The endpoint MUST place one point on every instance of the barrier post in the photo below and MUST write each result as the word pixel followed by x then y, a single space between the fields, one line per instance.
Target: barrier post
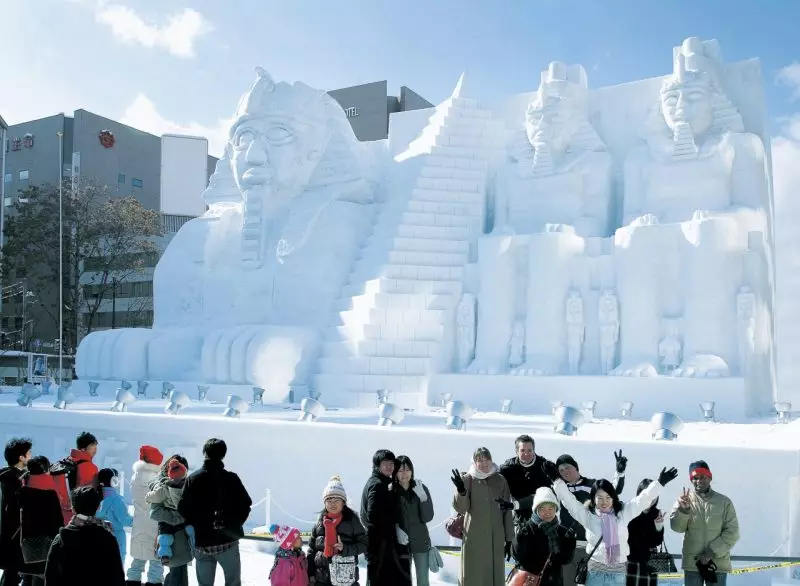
pixel 267 508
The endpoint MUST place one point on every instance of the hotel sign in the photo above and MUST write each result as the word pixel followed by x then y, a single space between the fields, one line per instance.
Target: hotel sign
pixel 351 112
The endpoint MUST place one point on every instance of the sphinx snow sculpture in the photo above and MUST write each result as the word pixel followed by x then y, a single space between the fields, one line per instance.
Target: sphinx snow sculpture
pixel 697 198
pixel 560 170
pixel 576 330
pixel 241 292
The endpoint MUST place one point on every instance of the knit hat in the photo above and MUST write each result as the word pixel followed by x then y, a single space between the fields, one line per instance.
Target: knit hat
pixel 699 468
pixel 544 495
pixel 567 459
pixel 151 455
pixel 334 489
pixel 175 469
pixel 284 535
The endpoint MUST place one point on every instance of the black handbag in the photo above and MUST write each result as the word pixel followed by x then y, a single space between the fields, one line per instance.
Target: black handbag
pixel 582 569
pixel 661 562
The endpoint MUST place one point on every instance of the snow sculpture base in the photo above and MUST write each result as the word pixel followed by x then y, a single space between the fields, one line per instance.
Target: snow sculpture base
pixel 536 394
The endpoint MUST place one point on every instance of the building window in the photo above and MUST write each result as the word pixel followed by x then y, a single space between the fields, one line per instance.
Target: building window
pixel 24 174
pixel 8 201
pixel 136 182
pixel 9 177
pixel 121 179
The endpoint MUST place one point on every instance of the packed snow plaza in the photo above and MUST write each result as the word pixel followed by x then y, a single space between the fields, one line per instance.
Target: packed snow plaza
pixel 571 245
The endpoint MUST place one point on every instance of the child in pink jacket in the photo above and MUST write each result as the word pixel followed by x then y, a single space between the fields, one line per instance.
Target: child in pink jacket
pixel 290 567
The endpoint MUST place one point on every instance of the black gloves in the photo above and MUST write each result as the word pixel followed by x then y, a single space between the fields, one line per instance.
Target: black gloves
pixel 458 482
pixel 622 462
pixel 504 505
pixel 667 476
pixel 508 551
pixel 551 471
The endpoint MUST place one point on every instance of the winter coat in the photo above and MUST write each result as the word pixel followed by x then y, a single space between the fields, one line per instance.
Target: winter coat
pixel 10 549
pixel 523 482
pixel 582 491
pixel 167 493
pixel 114 510
pixel 592 522
pixel 215 494
pixel 354 539
pixel 531 549
pixel 290 569
pixel 711 522
pixel 85 474
pixel 145 530
pixel 643 536
pixel 40 518
pixel 415 514
pixel 181 548
pixel 486 529
pixel 388 562
pixel 85 555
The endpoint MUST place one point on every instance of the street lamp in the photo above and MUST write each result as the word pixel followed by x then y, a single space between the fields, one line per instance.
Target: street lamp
pixel 60 257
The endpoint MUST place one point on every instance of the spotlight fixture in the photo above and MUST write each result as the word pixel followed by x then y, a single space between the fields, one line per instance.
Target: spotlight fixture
pixel 446 398
pixel 123 399
pixel 64 397
pixel 784 410
pixel 390 414
pixel 626 410
pixel 555 405
pixel 166 389
pixel 382 396
pixel 202 391
pixel 93 388
pixel 177 401
pixel 141 388
pixel 235 406
pixel 458 413
pixel 568 420
pixel 258 396
pixel 46 386
pixel 505 405
pixel 311 409
pixel 707 408
pixel 27 394
pixel 666 426
pixel 588 408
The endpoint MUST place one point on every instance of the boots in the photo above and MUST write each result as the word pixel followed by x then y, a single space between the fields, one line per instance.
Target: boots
pixel 132 583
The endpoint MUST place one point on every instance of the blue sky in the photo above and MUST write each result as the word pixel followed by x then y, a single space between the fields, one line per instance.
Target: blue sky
pixel 172 65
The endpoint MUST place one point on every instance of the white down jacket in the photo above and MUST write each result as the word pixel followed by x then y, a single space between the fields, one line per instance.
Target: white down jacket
pixel 145 530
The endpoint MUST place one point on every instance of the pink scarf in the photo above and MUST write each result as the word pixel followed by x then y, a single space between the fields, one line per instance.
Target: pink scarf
pixel 608 523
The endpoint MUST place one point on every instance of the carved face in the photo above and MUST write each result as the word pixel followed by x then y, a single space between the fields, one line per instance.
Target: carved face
pixel 276 153
pixel 690 102
pixel 552 122
pixel 745 304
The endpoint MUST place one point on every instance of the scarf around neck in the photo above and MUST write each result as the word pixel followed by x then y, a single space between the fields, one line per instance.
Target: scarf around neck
pixel 608 524
pixel 550 529
pixel 475 473
pixel 330 523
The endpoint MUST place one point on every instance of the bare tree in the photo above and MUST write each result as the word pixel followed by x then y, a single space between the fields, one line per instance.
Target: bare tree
pixel 106 240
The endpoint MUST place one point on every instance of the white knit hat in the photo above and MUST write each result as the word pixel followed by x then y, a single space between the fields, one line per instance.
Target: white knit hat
pixel 544 495
pixel 334 489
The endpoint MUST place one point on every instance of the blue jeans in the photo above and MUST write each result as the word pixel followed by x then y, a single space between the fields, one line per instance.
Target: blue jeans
pixel 422 568
pixel 605 579
pixel 228 560
pixel 694 579
pixel 155 571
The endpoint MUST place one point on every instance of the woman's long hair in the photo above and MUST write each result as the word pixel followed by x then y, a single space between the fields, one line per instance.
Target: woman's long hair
pixel 607 488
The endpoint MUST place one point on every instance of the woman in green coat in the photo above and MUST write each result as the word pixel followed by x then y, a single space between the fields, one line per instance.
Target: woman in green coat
pixel 488 530
pixel 416 511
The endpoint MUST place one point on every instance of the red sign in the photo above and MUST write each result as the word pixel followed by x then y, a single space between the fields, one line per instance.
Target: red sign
pixel 27 141
pixel 107 138
pixel 16 144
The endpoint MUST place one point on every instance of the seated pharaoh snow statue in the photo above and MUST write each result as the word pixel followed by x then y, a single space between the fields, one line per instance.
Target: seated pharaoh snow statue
pixel 241 293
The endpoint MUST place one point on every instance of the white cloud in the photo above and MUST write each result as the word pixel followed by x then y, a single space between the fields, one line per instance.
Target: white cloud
pixel 790 76
pixel 178 35
pixel 142 114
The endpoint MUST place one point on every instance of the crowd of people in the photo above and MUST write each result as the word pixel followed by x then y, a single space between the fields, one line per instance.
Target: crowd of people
pixel 530 511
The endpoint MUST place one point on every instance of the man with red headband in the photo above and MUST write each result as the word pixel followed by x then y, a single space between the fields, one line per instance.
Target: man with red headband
pixel 710 527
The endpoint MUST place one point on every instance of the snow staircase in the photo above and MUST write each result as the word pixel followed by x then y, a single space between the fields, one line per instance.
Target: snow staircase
pixel 396 320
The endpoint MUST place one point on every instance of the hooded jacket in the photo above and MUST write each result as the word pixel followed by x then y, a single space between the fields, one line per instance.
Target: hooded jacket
pixel 87 555
pixel 40 516
pixel 144 530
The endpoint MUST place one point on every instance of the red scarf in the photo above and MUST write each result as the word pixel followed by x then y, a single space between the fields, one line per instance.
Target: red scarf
pixel 330 522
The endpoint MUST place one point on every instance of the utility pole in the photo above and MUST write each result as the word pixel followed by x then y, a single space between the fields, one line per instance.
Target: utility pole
pixel 113 303
pixel 60 258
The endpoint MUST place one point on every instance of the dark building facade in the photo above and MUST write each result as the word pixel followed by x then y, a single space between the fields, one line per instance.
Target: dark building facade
pixel 369 106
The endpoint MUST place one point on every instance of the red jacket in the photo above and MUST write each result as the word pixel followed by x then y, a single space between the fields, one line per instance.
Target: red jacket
pixel 289 569
pixel 86 473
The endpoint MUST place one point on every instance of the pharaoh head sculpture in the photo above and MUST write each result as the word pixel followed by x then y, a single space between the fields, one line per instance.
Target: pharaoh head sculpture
pixel 280 135
pixel 693 98
pixel 554 116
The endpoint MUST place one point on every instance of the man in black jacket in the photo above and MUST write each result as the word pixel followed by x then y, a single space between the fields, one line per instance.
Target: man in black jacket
pixel 17 454
pixel 217 505
pixel 524 474
pixel 85 552
pixel 388 562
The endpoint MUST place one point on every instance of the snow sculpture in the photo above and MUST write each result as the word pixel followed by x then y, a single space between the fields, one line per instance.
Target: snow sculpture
pixel 560 171
pixel 608 320
pixel 576 330
pixel 241 292
pixel 670 347
pixel 466 330
pixel 516 350
pixel 745 326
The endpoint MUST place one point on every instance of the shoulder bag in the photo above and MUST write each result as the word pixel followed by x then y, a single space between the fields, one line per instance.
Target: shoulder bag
pixel 582 570
pixel 343 570
pixel 519 577
pixel 661 561
pixel 455 524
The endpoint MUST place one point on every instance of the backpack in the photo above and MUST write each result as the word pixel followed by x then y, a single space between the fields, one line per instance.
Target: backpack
pixel 67 468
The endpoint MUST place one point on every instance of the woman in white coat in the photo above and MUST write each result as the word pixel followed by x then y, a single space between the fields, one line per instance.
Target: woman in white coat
pixel 145 530
pixel 606 519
